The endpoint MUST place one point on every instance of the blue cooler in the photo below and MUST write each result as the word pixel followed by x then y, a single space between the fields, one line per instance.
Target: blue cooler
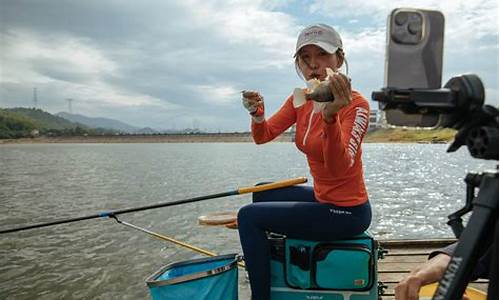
pixel 204 279
pixel 327 270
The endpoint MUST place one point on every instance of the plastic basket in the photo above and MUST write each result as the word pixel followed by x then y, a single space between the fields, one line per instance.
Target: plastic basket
pixel 206 278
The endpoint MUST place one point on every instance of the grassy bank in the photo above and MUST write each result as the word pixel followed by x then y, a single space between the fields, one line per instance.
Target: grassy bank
pixel 400 135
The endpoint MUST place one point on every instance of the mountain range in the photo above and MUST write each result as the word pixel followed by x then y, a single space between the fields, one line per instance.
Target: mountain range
pixel 21 121
pixel 101 123
pixel 116 125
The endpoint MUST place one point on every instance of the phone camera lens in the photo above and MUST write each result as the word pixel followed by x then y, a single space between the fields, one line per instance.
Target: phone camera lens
pixel 414 27
pixel 415 17
pixel 399 34
pixel 401 18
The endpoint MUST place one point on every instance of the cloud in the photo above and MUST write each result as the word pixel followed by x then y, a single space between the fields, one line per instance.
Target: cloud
pixel 466 20
pixel 72 58
pixel 217 95
pixel 76 66
pixel 250 25
pixel 145 62
pixel 471 36
pixel 174 55
pixel 370 40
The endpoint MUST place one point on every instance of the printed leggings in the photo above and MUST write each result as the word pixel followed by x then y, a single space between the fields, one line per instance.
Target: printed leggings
pixel 294 212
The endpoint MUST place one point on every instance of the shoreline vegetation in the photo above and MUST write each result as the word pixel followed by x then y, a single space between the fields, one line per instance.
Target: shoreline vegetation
pixel 389 135
pixel 23 125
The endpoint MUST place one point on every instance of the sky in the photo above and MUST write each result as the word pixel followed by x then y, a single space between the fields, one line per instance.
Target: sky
pixel 182 64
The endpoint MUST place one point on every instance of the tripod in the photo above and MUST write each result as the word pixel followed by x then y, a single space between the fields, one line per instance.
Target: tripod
pixel 474 239
pixel 460 104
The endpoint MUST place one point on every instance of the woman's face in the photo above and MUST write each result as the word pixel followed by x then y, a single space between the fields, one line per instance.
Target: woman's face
pixel 313 61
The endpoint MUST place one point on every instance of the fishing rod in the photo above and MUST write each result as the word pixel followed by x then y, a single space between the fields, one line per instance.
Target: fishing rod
pixel 169 239
pixel 106 214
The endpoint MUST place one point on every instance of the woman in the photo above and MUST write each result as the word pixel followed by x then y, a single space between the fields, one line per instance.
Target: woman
pixel 330 135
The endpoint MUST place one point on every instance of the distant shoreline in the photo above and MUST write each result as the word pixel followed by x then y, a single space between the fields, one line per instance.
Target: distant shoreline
pixel 378 136
pixel 165 138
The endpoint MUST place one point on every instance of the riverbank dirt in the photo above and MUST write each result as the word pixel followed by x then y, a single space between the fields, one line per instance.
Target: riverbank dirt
pixel 376 136
pixel 165 138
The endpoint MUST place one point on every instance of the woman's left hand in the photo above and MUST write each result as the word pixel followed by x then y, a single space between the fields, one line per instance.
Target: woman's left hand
pixel 340 86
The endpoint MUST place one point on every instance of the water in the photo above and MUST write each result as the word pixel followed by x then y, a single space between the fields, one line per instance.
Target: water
pixel 412 187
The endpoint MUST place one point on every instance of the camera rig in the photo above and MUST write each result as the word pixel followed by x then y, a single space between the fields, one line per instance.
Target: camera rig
pixel 460 105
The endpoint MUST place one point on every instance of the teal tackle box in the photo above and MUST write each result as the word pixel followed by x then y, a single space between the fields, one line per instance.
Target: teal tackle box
pixel 326 270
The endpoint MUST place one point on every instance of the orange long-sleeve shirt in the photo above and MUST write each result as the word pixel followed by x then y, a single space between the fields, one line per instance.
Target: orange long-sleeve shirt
pixel 333 150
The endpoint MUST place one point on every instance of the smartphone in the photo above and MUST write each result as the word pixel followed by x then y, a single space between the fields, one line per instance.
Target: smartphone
pixel 414 58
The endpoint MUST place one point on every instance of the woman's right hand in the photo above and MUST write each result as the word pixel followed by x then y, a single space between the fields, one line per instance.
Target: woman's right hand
pixel 253 102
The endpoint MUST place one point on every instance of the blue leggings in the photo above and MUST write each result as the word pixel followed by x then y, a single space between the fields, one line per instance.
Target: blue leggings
pixel 294 212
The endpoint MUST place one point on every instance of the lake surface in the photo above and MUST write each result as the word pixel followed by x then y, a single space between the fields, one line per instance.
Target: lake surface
pixel 412 188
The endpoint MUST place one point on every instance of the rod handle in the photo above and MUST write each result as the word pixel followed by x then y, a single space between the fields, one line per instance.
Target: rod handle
pixel 272 186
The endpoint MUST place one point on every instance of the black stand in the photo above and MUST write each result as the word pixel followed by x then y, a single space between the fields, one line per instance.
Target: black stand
pixel 473 241
pixel 460 104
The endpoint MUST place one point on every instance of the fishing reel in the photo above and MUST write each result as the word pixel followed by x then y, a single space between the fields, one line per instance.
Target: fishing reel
pixel 459 104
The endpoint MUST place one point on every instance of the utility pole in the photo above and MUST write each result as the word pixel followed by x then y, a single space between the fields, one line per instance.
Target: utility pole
pixel 35 98
pixel 196 125
pixel 70 107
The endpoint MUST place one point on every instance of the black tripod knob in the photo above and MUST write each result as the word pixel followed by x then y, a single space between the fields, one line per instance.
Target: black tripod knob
pixel 482 142
pixel 473 180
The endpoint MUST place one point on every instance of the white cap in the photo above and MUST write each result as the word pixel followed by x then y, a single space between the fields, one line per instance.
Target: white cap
pixel 320 35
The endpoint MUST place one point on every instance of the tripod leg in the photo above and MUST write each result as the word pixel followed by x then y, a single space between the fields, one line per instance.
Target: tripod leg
pixel 493 285
pixel 471 244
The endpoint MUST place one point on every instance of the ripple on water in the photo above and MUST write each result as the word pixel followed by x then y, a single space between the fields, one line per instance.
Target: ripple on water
pixel 412 189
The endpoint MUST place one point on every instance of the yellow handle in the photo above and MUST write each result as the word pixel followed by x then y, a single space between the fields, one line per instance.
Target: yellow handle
pixel 191 247
pixel 177 242
pixel 272 186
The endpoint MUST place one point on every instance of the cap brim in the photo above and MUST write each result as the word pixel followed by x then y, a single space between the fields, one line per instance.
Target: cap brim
pixel 325 46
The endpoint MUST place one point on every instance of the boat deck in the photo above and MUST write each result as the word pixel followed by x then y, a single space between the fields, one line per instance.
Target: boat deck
pixel 404 255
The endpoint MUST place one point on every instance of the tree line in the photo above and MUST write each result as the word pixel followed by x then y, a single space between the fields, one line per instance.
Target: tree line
pixel 31 122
